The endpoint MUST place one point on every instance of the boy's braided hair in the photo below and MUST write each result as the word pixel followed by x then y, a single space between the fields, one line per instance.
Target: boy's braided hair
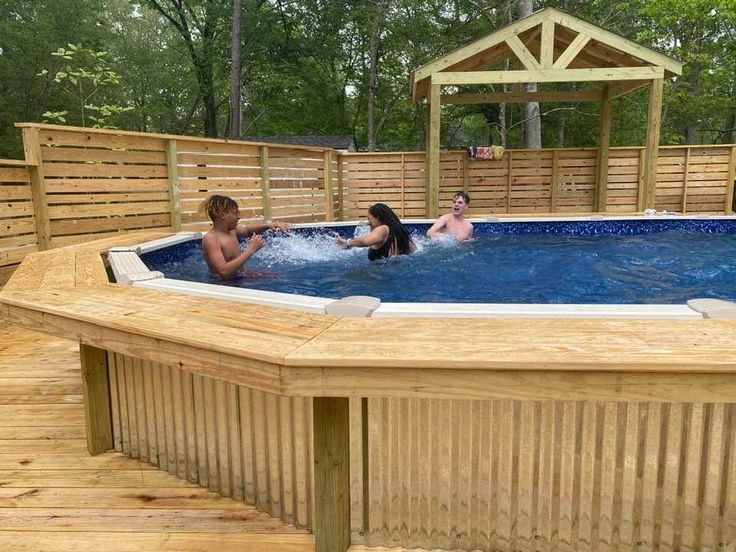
pixel 216 205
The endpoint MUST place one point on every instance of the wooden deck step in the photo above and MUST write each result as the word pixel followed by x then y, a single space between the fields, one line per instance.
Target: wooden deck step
pixel 87 541
pixel 54 496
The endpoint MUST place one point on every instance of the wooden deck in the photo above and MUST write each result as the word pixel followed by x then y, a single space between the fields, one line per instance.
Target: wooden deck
pixel 55 496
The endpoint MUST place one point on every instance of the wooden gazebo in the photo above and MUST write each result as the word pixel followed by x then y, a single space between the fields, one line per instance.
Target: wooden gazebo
pixel 552 47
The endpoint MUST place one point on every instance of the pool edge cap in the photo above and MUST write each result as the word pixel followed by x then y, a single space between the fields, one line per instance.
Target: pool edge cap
pixel 353 306
pixel 713 308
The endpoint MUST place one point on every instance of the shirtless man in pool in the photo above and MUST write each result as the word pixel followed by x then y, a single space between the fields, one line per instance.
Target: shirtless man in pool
pixel 454 223
pixel 220 245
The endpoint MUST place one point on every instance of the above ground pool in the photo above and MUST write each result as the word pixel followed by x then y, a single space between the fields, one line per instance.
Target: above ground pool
pixel 621 261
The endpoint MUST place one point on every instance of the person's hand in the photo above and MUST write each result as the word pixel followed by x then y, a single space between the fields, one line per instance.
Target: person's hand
pixel 280 226
pixel 342 242
pixel 255 243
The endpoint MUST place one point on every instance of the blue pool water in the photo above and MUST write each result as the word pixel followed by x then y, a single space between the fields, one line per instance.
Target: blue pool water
pixel 658 261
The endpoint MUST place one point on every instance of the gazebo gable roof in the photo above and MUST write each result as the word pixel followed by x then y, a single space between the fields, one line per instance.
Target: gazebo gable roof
pixel 548 40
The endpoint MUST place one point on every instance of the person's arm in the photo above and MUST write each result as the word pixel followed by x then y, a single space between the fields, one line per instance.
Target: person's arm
pixel 377 236
pixel 245 230
pixel 216 260
pixel 437 227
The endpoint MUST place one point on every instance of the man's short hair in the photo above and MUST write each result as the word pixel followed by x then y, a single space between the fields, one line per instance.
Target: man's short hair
pixel 466 197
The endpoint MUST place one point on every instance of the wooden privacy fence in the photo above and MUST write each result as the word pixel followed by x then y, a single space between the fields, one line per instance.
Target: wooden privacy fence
pixel 17 218
pixel 695 179
pixel 79 184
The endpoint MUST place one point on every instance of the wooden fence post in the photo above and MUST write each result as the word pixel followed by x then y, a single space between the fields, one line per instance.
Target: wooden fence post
pixel 331 473
pixel 327 173
pixel 172 170
pixel 96 390
pixel 265 183
pixel 555 191
pixel 601 189
pixel 340 189
pixel 403 185
pixel 654 121
pixel 641 190
pixel 730 181
pixel 685 179
pixel 32 150
pixel 433 151
pixel 508 183
pixel 466 184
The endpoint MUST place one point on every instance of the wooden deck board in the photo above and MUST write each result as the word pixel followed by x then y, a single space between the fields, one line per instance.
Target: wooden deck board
pixel 54 496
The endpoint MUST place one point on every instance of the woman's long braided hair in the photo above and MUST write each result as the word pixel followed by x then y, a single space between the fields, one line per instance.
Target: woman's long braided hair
pixel 401 243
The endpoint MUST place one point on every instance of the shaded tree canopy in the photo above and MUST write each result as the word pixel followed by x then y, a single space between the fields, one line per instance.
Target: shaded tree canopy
pixel 342 67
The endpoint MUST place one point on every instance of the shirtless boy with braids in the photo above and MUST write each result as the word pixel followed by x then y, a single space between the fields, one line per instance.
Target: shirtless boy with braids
pixel 220 245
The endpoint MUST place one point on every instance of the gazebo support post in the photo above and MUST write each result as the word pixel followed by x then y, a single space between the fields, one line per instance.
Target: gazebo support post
pixel 433 151
pixel 654 121
pixel 601 194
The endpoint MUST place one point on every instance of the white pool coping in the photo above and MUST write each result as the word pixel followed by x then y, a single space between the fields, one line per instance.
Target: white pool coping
pixel 156 281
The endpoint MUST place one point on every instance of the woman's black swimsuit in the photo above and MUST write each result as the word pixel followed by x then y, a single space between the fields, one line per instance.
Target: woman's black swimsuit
pixel 383 252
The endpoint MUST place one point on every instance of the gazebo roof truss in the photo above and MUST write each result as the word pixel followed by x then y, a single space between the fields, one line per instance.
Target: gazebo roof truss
pixel 548 46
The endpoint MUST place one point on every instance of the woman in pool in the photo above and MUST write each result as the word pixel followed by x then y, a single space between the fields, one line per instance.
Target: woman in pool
pixel 388 236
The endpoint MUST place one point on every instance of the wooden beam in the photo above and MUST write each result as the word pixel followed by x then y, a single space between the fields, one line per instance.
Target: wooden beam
pixel 403 185
pixel 571 52
pixel 617 42
pixel 641 190
pixel 327 173
pixel 522 53
pixel 96 391
pixel 433 151
pixel 624 88
pixel 547 75
pixel 728 208
pixel 32 150
pixel 172 172
pixel 475 48
pixel 555 185
pixel 654 121
pixel 466 183
pixel 265 183
pixel 685 179
pixel 509 182
pixel 331 474
pixel 340 189
pixel 603 151
pixel 547 46
pixel 590 95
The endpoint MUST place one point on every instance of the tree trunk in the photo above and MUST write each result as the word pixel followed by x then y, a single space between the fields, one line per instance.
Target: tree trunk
pixel 561 132
pixel 236 119
pixel 731 119
pixel 373 78
pixel 532 120
pixel 206 83
pixel 691 131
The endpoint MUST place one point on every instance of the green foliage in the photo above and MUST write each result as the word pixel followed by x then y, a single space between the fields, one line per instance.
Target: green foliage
pixel 84 74
pixel 306 68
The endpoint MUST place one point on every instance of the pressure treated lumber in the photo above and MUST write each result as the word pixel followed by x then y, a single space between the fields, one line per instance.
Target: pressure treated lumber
pixel 55 497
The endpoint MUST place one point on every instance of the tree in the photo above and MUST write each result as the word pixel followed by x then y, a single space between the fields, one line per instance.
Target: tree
pixel 235 88
pixel 532 117
pixel 199 23
pixel 83 75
